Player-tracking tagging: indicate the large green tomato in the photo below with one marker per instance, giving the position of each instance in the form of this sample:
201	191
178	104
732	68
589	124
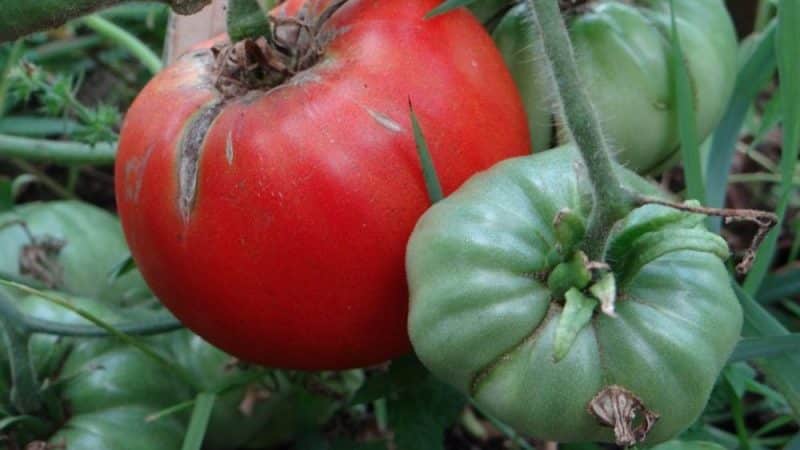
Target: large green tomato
624	57
87	244
487	306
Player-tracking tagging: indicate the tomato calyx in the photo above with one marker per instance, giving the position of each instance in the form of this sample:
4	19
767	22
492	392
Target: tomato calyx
39	257
618	408
293	45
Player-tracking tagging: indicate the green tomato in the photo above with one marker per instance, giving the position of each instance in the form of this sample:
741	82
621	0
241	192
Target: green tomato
92	241
624	57
482	315
100	392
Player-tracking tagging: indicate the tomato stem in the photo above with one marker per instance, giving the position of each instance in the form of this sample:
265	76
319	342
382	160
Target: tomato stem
611	201
25	386
21	18
58	152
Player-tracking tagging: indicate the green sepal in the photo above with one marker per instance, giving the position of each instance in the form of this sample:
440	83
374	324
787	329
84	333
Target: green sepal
572	273
569	228
577	313
656	244
605	290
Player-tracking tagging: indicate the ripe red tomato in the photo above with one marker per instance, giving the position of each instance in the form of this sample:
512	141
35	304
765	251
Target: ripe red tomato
274	224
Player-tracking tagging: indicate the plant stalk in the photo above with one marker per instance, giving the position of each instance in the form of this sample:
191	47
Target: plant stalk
57	152
25	386
118	35
611	201
22	17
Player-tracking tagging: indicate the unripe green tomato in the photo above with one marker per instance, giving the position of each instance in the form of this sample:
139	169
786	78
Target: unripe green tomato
92	245
482	317
624	58
100	391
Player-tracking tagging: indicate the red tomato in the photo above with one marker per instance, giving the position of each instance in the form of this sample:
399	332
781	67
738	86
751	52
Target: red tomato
282	239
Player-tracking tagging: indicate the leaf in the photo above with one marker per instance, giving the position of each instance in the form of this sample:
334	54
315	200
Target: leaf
737	376
687	121
6	195
788	47
766	347
577	313
757	70
688	445
403	373
246	19
781	372
778	286
794	444
201	413
428	170
121	268
448	6
419	415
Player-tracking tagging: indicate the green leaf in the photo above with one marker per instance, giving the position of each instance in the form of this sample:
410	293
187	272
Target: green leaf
201	413
687	121
788	47
420	415
781	372
757	70
738	375
121	268
428	170
448	6
6	195
403	373
577	313
780	285
688	445
765	347
794	444
247	19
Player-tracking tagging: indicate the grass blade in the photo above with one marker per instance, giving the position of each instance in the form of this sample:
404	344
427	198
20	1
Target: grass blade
765	347
447	6
757	70
781	372
787	47
687	121
428	170
201	414
778	286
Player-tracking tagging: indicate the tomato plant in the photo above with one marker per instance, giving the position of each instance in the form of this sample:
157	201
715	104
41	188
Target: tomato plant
269	211
497	310
624	57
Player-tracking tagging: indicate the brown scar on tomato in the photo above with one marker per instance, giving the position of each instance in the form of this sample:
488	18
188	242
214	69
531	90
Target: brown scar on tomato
134	174
616	407
194	137
385	121
229	148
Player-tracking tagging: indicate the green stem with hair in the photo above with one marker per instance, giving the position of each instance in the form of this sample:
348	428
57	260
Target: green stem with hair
21	17
117	35
611	201
57	152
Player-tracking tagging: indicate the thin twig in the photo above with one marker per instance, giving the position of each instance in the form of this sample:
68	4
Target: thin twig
763	219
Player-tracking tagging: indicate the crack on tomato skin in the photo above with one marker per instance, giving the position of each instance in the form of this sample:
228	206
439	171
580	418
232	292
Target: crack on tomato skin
487	371
134	174
194	137
229	148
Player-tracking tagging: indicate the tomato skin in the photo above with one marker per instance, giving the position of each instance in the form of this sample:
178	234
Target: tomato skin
483	318
623	51
292	254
